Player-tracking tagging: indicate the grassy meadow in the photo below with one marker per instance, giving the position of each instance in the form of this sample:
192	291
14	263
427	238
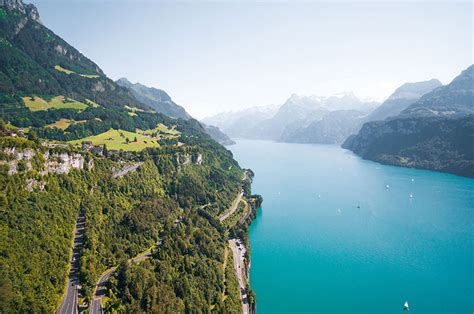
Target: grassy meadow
68	72
35	103
117	139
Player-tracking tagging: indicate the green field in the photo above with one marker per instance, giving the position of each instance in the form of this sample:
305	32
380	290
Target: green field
117	139
68	72
162	130
35	103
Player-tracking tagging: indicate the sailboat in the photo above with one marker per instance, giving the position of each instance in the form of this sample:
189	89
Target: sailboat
405	306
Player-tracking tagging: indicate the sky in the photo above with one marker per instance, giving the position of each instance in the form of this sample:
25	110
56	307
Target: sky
228	55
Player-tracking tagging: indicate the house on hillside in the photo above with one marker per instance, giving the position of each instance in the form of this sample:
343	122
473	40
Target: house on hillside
87	146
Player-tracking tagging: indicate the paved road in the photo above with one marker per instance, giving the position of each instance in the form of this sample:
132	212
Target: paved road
238	250
234	207
69	303
126	170
96	305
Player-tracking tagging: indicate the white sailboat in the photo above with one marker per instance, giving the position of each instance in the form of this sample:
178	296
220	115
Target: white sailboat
405	306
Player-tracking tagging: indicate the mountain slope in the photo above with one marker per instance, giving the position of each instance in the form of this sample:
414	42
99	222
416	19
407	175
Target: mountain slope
34	60
403	97
155	98
217	135
436	132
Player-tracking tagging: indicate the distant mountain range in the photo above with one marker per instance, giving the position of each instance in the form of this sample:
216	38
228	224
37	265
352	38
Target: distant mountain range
161	102
435	132
297	119
332	128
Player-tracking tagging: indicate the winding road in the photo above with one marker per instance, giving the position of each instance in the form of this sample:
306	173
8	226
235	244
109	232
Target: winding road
126	170
96	304
69	303
234	207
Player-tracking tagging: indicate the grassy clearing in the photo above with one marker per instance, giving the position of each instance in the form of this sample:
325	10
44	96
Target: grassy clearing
61	69
68	72
61	124
162	130
92	104
89	75
64	123
117	139
134	109
37	103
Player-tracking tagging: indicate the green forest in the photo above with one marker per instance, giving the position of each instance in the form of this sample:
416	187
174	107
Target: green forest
124	216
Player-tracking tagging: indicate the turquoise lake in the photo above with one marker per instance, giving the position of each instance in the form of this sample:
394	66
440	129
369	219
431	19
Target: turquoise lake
313	250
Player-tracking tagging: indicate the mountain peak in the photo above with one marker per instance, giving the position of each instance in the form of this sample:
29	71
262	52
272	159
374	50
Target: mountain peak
123	81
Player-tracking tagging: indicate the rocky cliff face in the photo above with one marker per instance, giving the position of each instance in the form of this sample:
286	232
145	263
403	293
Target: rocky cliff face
22	160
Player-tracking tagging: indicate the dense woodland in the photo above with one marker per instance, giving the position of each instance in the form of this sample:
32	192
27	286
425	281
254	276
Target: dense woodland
124	217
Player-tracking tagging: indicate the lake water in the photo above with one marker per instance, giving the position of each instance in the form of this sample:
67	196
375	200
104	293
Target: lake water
314	250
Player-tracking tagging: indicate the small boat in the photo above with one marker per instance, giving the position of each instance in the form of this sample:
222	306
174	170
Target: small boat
412	180
319	196
405	306
387	186
358	206
411	195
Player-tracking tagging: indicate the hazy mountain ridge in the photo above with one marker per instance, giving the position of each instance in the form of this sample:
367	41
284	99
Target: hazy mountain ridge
240	124
403	97
436	132
455	99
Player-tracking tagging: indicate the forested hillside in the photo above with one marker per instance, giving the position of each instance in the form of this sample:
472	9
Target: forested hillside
73	141
124	216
